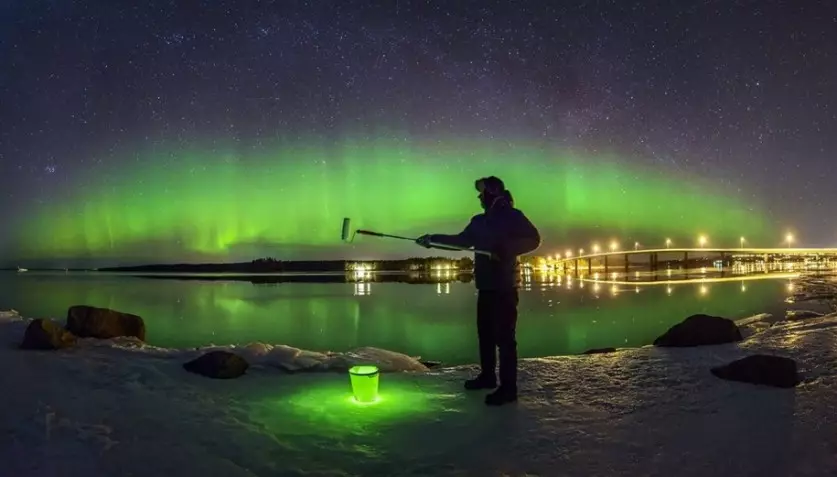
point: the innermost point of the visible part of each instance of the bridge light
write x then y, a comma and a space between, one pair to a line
614, 246
668, 243
702, 240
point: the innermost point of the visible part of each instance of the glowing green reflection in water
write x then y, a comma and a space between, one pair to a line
432, 321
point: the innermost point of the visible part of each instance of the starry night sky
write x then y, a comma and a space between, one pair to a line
740, 93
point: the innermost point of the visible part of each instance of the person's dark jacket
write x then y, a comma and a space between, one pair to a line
502, 230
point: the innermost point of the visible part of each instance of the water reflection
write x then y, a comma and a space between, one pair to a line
559, 314
363, 289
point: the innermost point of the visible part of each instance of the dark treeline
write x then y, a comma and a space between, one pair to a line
272, 265
347, 277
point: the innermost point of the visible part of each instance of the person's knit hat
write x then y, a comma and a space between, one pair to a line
492, 184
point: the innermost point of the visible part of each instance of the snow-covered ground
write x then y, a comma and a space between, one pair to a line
110, 409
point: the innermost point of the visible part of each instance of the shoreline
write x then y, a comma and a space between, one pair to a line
821, 293
639, 411
777, 312
118, 408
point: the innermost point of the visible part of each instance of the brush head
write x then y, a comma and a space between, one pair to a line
347, 222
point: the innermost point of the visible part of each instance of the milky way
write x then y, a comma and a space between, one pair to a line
741, 95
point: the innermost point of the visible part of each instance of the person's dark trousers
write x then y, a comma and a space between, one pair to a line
496, 329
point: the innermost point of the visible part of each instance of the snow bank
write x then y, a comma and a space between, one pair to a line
755, 324
814, 288
283, 357
802, 314
117, 410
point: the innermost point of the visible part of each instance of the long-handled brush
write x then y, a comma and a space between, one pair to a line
348, 236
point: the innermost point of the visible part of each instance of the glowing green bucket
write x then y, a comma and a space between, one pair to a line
364, 383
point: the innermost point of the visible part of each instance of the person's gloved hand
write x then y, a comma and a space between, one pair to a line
424, 241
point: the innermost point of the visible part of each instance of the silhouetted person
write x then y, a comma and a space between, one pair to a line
506, 233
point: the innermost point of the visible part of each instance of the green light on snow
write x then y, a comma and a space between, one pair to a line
314, 404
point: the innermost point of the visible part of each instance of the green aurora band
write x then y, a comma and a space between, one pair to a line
288, 201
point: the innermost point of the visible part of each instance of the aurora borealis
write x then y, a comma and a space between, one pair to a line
216, 132
235, 206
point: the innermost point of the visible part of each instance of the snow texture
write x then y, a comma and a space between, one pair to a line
120, 408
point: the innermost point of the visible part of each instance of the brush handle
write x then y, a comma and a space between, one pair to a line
459, 249
379, 234
433, 245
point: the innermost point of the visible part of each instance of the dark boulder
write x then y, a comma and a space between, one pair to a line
700, 330
103, 323
218, 365
761, 369
600, 351
46, 334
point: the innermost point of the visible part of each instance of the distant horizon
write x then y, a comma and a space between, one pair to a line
78, 266
87, 264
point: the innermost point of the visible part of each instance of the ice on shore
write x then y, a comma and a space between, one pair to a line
282, 357
119, 408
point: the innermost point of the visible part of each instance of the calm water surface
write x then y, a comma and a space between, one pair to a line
434, 321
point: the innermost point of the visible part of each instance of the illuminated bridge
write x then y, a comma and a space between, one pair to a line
654, 258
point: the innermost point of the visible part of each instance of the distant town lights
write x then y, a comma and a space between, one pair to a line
702, 242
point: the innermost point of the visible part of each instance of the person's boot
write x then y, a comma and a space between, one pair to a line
483, 381
503, 395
